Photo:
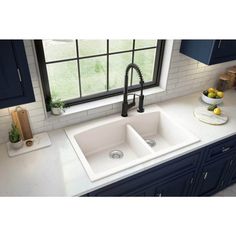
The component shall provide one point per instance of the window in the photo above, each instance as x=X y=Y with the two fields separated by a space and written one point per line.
x=79 y=71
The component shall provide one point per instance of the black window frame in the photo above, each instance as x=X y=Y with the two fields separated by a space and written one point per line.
x=109 y=93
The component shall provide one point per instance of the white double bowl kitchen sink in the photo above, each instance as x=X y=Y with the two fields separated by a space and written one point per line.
x=107 y=146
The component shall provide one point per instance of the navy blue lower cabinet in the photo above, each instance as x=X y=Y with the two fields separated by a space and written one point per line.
x=212 y=178
x=232 y=170
x=218 y=165
x=173 y=187
x=178 y=186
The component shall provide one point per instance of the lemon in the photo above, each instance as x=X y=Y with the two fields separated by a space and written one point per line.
x=211 y=90
x=220 y=94
x=211 y=95
x=217 y=111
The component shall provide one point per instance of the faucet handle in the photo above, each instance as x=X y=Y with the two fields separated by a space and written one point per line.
x=140 y=105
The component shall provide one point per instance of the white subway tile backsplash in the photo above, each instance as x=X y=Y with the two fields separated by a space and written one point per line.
x=35 y=112
x=5 y=119
x=4 y=112
x=40 y=117
x=34 y=105
x=100 y=109
x=186 y=75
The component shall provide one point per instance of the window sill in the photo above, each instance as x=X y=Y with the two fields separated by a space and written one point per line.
x=106 y=104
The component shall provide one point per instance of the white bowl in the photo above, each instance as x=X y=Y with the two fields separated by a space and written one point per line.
x=212 y=101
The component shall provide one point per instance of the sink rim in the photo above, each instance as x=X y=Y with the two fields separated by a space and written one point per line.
x=71 y=131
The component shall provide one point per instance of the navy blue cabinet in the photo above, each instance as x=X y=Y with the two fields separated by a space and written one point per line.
x=212 y=177
x=231 y=170
x=15 y=81
x=171 y=187
x=209 y=51
x=218 y=165
x=177 y=186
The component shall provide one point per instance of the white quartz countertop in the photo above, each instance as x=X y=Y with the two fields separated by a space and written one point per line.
x=57 y=171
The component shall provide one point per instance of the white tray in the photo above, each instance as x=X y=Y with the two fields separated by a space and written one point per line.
x=209 y=117
x=40 y=141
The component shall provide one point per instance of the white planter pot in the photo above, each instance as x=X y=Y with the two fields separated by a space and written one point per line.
x=56 y=111
x=17 y=145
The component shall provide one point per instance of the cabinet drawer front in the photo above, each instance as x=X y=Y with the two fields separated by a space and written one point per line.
x=218 y=150
x=155 y=174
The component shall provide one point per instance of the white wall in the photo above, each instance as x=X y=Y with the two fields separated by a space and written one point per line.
x=185 y=76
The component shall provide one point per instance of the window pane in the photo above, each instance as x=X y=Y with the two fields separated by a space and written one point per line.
x=93 y=73
x=145 y=59
x=120 y=45
x=145 y=43
x=63 y=79
x=59 y=49
x=117 y=66
x=92 y=47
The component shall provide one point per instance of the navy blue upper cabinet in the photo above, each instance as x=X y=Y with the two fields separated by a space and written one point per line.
x=209 y=51
x=15 y=81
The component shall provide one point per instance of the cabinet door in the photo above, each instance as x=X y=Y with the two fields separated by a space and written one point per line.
x=10 y=81
x=232 y=170
x=15 y=80
x=224 y=49
x=179 y=186
x=197 y=49
x=212 y=177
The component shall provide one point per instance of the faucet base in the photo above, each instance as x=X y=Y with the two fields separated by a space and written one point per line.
x=140 y=110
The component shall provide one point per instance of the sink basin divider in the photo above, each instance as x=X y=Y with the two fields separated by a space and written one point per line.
x=137 y=142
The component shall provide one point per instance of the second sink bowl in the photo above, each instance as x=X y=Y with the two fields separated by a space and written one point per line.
x=164 y=132
x=113 y=144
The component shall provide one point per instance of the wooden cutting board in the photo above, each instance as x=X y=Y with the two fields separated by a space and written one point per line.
x=17 y=122
x=21 y=119
x=209 y=117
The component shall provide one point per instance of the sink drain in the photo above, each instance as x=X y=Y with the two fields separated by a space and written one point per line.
x=116 y=154
x=150 y=142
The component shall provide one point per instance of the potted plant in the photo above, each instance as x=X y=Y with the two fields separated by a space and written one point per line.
x=57 y=107
x=15 y=137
